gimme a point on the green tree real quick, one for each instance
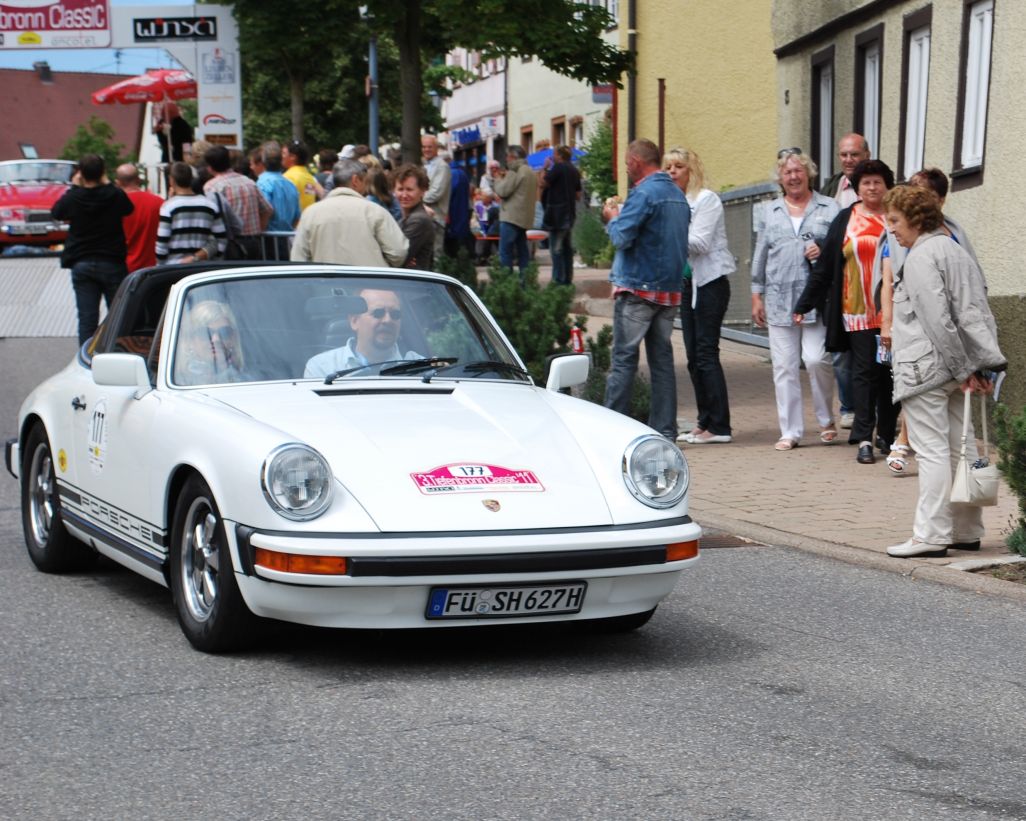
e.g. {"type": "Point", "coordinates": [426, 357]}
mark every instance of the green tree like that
{"type": "Point", "coordinates": [598, 163]}
{"type": "Point", "coordinates": [564, 35]}
{"type": "Point", "coordinates": [95, 137]}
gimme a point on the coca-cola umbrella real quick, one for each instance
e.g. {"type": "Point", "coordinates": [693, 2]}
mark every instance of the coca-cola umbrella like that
{"type": "Point", "coordinates": [155, 86]}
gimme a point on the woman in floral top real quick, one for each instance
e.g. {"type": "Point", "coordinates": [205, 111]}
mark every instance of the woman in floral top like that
{"type": "Point", "coordinates": [844, 283]}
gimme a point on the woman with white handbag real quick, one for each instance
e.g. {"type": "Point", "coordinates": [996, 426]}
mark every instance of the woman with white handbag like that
{"type": "Point", "coordinates": [944, 343]}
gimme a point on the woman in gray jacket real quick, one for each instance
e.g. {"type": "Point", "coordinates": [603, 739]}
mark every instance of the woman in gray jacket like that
{"type": "Point", "coordinates": [944, 342]}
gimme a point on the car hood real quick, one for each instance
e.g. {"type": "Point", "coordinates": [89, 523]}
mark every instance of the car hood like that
{"type": "Point", "coordinates": [31, 195]}
{"type": "Point", "coordinates": [444, 456]}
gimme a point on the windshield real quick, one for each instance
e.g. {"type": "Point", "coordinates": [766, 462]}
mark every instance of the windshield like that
{"type": "Point", "coordinates": [334, 328]}
{"type": "Point", "coordinates": [36, 171]}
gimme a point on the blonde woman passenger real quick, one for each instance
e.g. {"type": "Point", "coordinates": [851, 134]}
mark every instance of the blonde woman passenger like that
{"type": "Point", "coordinates": [704, 297]}
{"type": "Point", "coordinates": [791, 239]}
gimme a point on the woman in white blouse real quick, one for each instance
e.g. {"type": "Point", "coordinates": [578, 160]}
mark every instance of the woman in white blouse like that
{"type": "Point", "coordinates": [704, 299]}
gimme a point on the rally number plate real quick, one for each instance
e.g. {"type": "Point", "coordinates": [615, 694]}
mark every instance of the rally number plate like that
{"type": "Point", "coordinates": [504, 602]}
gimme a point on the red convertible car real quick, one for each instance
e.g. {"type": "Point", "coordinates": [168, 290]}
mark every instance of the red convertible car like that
{"type": "Point", "coordinates": [28, 189]}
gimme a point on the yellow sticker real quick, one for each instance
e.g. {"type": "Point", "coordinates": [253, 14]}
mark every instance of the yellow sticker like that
{"type": "Point", "coordinates": [29, 38]}
{"type": "Point", "coordinates": [62, 460]}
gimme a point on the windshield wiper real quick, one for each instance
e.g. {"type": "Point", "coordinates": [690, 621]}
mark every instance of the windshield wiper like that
{"type": "Point", "coordinates": [331, 377]}
{"type": "Point", "coordinates": [484, 366]}
{"type": "Point", "coordinates": [415, 365]}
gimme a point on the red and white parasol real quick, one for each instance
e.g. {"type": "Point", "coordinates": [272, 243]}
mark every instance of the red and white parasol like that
{"type": "Point", "coordinates": [154, 86]}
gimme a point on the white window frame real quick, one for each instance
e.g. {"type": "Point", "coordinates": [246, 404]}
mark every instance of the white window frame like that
{"type": "Point", "coordinates": [871, 94]}
{"type": "Point", "coordinates": [918, 87]}
{"type": "Point", "coordinates": [825, 130]}
{"type": "Point", "coordinates": [977, 83]}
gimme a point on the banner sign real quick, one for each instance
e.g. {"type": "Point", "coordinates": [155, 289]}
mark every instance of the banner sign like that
{"type": "Point", "coordinates": [61, 24]}
{"type": "Point", "coordinates": [162, 29]}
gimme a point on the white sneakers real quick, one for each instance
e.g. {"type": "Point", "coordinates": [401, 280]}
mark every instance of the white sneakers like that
{"type": "Point", "coordinates": [847, 420]}
{"type": "Point", "coordinates": [913, 547]}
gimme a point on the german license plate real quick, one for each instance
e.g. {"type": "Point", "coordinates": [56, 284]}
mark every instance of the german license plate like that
{"type": "Point", "coordinates": [482, 602]}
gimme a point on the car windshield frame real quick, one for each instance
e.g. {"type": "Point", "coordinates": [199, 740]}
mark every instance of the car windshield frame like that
{"type": "Point", "coordinates": [60, 172]}
{"type": "Point", "coordinates": [323, 325]}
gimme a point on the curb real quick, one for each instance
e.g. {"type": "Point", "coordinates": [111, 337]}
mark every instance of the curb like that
{"type": "Point", "coordinates": [910, 568]}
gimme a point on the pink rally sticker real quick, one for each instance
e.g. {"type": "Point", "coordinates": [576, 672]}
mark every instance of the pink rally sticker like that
{"type": "Point", "coordinates": [468, 478]}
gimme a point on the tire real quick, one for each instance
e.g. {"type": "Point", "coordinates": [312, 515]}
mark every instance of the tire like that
{"type": "Point", "coordinates": [211, 610]}
{"type": "Point", "coordinates": [620, 624]}
{"type": "Point", "coordinates": [50, 546]}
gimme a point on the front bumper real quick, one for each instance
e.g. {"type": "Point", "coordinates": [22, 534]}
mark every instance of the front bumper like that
{"type": "Point", "coordinates": [391, 576]}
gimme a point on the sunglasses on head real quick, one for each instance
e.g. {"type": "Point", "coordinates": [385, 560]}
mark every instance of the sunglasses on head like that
{"type": "Point", "coordinates": [394, 313]}
{"type": "Point", "coordinates": [786, 152]}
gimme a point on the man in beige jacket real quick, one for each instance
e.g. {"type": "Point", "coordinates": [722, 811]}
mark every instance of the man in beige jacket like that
{"type": "Point", "coordinates": [346, 229]}
{"type": "Point", "coordinates": [517, 186]}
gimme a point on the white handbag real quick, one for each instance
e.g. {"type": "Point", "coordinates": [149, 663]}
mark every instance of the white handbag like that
{"type": "Point", "coordinates": [972, 485]}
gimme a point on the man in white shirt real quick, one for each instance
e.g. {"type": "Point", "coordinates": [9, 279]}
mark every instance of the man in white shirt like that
{"type": "Point", "coordinates": [376, 337]}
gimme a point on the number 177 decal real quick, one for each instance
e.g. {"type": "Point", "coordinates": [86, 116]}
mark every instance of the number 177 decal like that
{"type": "Point", "coordinates": [470, 478]}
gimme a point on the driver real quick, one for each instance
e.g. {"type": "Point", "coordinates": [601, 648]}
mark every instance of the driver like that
{"type": "Point", "coordinates": [209, 348]}
{"type": "Point", "coordinates": [376, 337]}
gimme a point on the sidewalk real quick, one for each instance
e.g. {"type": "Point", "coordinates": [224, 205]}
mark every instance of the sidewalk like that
{"type": "Point", "coordinates": [816, 497]}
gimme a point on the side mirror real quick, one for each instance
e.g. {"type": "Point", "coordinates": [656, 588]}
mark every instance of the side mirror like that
{"type": "Point", "coordinates": [122, 370]}
{"type": "Point", "coordinates": [568, 371]}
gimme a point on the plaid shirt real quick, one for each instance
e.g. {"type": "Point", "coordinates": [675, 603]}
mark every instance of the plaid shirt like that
{"type": "Point", "coordinates": [244, 198]}
{"type": "Point", "coordinates": [668, 299]}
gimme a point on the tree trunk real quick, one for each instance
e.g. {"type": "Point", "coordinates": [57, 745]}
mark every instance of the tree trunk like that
{"type": "Point", "coordinates": [411, 82]}
{"type": "Point", "coordinates": [296, 95]}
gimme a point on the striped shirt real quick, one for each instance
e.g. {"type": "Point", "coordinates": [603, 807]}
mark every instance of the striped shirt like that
{"type": "Point", "coordinates": [187, 224]}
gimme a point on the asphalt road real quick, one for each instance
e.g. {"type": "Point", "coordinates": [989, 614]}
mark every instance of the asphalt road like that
{"type": "Point", "coordinates": [771, 685]}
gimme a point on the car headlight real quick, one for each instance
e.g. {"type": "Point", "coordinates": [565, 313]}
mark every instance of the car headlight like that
{"type": "Point", "coordinates": [655, 471]}
{"type": "Point", "coordinates": [297, 482]}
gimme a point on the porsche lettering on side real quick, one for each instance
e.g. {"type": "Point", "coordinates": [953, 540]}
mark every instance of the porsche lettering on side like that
{"type": "Point", "coordinates": [343, 447]}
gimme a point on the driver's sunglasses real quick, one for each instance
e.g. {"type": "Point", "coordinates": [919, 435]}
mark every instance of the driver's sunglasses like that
{"type": "Point", "coordinates": [394, 313]}
{"type": "Point", "coordinates": [786, 152]}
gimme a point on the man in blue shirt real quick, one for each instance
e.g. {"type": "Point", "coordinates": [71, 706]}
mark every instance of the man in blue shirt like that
{"type": "Point", "coordinates": [280, 192]}
{"type": "Point", "coordinates": [650, 233]}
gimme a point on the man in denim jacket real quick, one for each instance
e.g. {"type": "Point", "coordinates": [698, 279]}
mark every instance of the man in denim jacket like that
{"type": "Point", "coordinates": [650, 234]}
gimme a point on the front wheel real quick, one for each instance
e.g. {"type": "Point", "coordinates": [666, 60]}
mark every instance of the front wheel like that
{"type": "Point", "coordinates": [210, 608]}
{"type": "Point", "coordinates": [50, 546]}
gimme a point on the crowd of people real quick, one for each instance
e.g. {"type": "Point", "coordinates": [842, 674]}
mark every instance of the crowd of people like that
{"type": "Point", "coordinates": [848, 280]}
{"type": "Point", "coordinates": [867, 283]}
{"type": "Point", "coordinates": [271, 203]}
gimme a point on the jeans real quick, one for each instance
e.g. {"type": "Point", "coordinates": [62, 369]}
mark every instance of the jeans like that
{"type": "Point", "coordinates": [562, 256]}
{"type": "Point", "coordinates": [513, 238]}
{"type": "Point", "coordinates": [873, 388]}
{"type": "Point", "coordinates": [91, 279]}
{"type": "Point", "coordinates": [701, 326]}
{"type": "Point", "coordinates": [842, 373]}
{"type": "Point", "coordinates": [634, 320]}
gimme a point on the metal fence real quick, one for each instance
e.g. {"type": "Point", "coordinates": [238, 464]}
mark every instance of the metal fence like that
{"type": "Point", "coordinates": [743, 214]}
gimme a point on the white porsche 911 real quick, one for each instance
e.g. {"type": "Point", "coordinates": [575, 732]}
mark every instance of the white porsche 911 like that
{"type": "Point", "coordinates": [346, 448]}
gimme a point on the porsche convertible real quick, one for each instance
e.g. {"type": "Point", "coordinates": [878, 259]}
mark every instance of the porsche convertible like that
{"type": "Point", "coordinates": [343, 447]}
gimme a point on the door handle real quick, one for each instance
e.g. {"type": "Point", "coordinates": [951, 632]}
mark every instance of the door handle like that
{"type": "Point", "coordinates": [78, 404]}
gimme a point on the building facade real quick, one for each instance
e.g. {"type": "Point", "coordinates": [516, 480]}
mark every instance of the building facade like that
{"type": "Point", "coordinates": [930, 84]}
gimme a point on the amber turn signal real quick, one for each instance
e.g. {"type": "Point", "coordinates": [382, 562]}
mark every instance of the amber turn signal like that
{"type": "Point", "coordinates": [678, 551]}
{"type": "Point", "coordinates": [299, 563]}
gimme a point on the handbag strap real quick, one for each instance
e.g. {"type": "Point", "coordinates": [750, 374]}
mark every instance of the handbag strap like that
{"type": "Point", "coordinates": [967, 423]}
